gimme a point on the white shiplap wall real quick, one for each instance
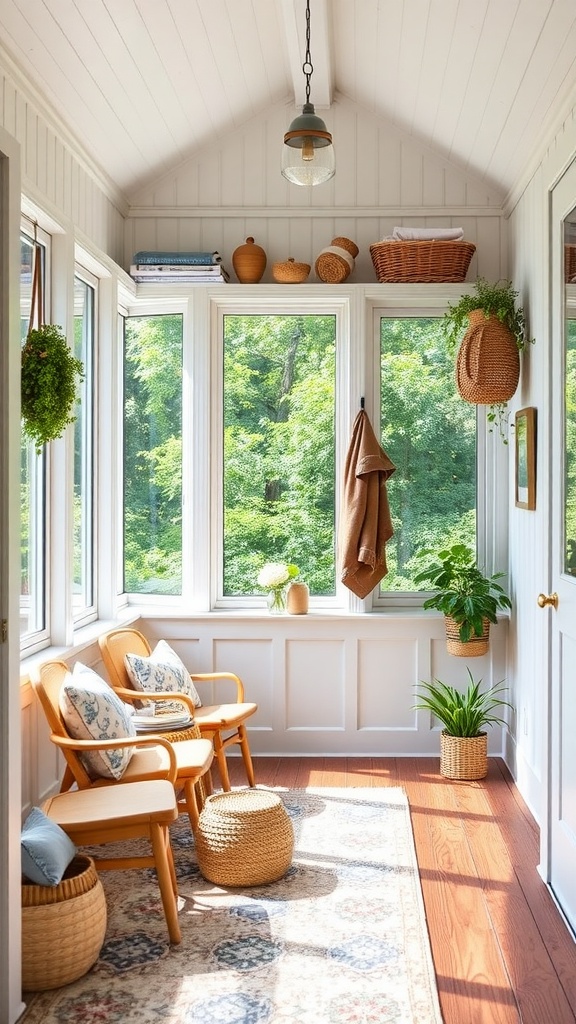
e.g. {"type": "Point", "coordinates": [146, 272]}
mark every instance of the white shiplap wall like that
{"type": "Point", "coordinates": [55, 174]}
{"type": "Point", "coordinates": [383, 178]}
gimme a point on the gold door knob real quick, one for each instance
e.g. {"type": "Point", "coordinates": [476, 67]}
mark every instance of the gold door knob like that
{"type": "Point", "coordinates": [544, 599]}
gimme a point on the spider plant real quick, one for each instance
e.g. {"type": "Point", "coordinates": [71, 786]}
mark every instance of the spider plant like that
{"type": "Point", "coordinates": [463, 714]}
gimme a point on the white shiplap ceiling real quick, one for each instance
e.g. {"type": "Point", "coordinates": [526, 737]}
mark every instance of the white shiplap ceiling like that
{"type": "Point", "coordinates": [144, 84]}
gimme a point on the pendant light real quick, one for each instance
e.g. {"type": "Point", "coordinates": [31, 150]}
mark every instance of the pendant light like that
{"type": "Point", "coordinates": [308, 153]}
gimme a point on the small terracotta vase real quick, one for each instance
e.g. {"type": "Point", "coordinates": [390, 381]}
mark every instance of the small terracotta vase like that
{"type": "Point", "coordinates": [249, 262]}
{"type": "Point", "coordinates": [298, 594]}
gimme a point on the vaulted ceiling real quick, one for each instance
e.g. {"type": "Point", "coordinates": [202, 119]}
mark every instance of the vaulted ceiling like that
{"type": "Point", "coordinates": [145, 84]}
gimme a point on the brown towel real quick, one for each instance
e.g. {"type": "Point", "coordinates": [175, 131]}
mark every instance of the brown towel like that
{"type": "Point", "coordinates": [366, 524]}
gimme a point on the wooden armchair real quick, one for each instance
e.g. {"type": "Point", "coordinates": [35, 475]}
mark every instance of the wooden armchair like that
{"type": "Point", "coordinates": [186, 764]}
{"type": "Point", "coordinates": [222, 723]}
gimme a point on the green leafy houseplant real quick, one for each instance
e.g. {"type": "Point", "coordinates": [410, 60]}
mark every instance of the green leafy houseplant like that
{"type": "Point", "coordinates": [497, 300]}
{"type": "Point", "coordinates": [463, 592]}
{"type": "Point", "coordinates": [50, 375]}
{"type": "Point", "coordinates": [463, 714]}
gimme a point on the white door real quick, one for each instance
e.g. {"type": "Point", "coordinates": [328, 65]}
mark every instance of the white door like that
{"type": "Point", "coordinates": [561, 602]}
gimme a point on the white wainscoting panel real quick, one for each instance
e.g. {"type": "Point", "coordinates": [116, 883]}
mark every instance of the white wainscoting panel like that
{"type": "Point", "coordinates": [386, 673]}
{"type": "Point", "coordinates": [315, 685]}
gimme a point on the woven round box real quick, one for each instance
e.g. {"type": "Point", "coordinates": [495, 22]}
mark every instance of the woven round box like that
{"type": "Point", "coordinates": [336, 262]}
{"type": "Point", "coordinates": [290, 272]}
{"type": "Point", "coordinates": [244, 837]}
{"type": "Point", "coordinates": [63, 927]}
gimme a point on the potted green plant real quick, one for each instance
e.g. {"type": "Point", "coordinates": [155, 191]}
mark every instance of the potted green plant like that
{"type": "Point", "coordinates": [50, 375]}
{"type": "Point", "coordinates": [464, 716]}
{"type": "Point", "coordinates": [468, 599]}
{"type": "Point", "coordinates": [490, 330]}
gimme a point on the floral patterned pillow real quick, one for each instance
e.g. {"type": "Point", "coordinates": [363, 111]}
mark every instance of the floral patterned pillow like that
{"type": "Point", "coordinates": [92, 711]}
{"type": "Point", "coordinates": [163, 671]}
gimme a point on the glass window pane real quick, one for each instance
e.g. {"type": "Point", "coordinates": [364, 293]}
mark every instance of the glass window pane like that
{"type": "Point", "coordinates": [32, 486]}
{"type": "Point", "coordinates": [279, 412]}
{"type": "Point", "coordinates": [82, 590]}
{"type": "Point", "coordinates": [153, 454]}
{"type": "Point", "coordinates": [429, 433]}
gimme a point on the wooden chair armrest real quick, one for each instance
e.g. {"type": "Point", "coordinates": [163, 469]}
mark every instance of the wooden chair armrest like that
{"type": "Point", "coordinates": [68, 743]}
{"type": "Point", "coordinates": [207, 677]}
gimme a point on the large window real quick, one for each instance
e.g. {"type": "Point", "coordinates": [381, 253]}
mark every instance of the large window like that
{"type": "Point", "coordinates": [33, 527]}
{"type": "Point", "coordinates": [153, 454]}
{"type": "Point", "coordinates": [279, 448]}
{"type": "Point", "coordinates": [429, 433]}
{"type": "Point", "coordinates": [84, 478]}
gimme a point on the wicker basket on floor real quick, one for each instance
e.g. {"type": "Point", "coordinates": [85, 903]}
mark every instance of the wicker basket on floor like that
{"type": "Point", "coordinates": [421, 261]}
{"type": "Point", "coordinates": [244, 837]}
{"type": "Point", "coordinates": [463, 757]}
{"type": "Point", "coordinates": [63, 927]}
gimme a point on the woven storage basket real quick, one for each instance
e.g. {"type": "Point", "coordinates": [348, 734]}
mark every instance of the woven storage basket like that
{"type": "Point", "coordinates": [335, 263]}
{"type": "Point", "coordinates": [473, 648]}
{"type": "Point", "coordinates": [423, 262]}
{"type": "Point", "coordinates": [463, 757]}
{"type": "Point", "coordinates": [488, 361]}
{"type": "Point", "coordinates": [63, 927]}
{"type": "Point", "coordinates": [290, 272]}
{"type": "Point", "coordinates": [244, 837]}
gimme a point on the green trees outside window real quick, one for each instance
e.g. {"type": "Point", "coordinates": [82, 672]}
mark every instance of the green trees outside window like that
{"type": "Point", "coordinates": [430, 435]}
{"type": "Point", "coordinates": [279, 443]}
{"type": "Point", "coordinates": [153, 454]}
{"type": "Point", "coordinates": [279, 482]}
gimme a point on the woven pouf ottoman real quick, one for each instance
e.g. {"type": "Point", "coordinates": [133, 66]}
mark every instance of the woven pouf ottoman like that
{"type": "Point", "coordinates": [244, 837]}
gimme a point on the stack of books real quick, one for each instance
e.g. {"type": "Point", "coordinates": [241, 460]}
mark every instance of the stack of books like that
{"type": "Point", "coordinates": [182, 267]}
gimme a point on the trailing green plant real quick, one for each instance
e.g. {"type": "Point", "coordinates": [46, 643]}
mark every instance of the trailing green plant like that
{"type": "Point", "coordinates": [463, 714]}
{"type": "Point", "coordinates": [497, 300]}
{"type": "Point", "coordinates": [463, 592]}
{"type": "Point", "coordinates": [50, 376]}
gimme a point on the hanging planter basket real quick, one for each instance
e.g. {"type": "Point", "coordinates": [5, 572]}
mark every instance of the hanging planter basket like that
{"type": "Point", "coordinates": [475, 647]}
{"type": "Point", "coordinates": [488, 361]}
{"type": "Point", "coordinates": [50, 373]}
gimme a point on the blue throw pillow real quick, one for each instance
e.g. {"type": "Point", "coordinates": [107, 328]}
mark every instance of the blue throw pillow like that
{"type": "Point", "coordinates": [46, 849]}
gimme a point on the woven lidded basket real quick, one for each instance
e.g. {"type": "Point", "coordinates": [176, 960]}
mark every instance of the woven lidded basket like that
{"type": "Point", "coordinates": [472, 648]}
{"type": "Point", "coordinates": [63, 927]}
{"type": "Point", "coordinates": [244, 837]}
{"type": "Point", "coordinates": [463, 757]}
{"type": "Point", "coordinates": [336, 262]}
{"type": "Point", "coordinates": [290, 272]}
{"type": "Point", "coordinates": [427, 262]}
{"type": "Point", "coordinates": [488, 361]}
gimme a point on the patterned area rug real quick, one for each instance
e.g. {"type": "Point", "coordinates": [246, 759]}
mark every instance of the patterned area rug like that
{"type": "Point", "coordinates": [341, 939]}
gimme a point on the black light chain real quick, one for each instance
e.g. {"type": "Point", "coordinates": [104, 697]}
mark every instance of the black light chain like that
{"type": "Point", "coordinates": [307, 66]}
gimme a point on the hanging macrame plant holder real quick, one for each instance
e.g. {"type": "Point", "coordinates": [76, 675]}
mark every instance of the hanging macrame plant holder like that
{"type": "Point", "coordinates": [488, 361]}
{"type": "Point", "coordinates": [49, 371]}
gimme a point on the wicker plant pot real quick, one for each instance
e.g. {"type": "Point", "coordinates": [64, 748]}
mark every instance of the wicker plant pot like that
{"type": "Point", "coordinates": [244, 837]}
{"type": "Point", "coordinates": [473, 648]}
{"type": "Point", "coordinates": [488, 361]}
{"type": "Point", "coordinates": [463, 757]}
{"type": "Point", "coordinates": [63, 927]}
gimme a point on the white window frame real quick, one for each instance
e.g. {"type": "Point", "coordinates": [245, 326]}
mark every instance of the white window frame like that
{"type": "Point", "coordinates": [88, 613]}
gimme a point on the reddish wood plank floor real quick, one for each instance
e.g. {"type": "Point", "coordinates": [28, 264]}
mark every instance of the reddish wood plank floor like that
{"type": "Point", "coordinates": [502, 952]}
